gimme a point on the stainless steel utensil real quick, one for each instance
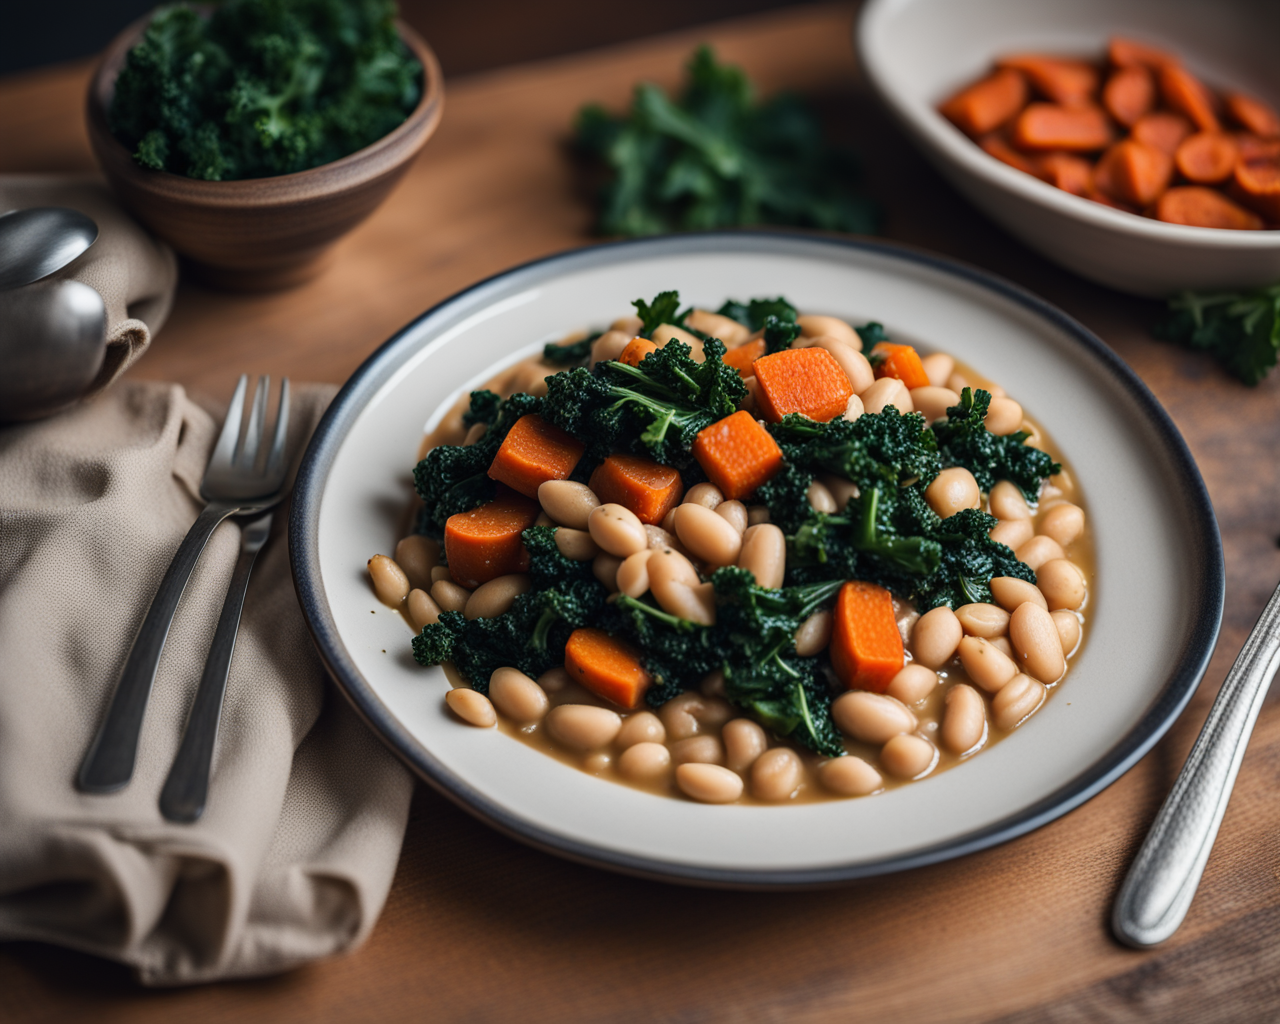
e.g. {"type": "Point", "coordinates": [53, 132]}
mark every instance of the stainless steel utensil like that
{"type": "Point", "coordinates": [1158, 890]}
{"type": "Point", "coordinates": [52, 343]}
{"type": "Point", "coordinates": [233, 485]}
{"type": "Point", "coordinates": [187, 787]}
{"type": "Point", "coordinates": [40, 241]}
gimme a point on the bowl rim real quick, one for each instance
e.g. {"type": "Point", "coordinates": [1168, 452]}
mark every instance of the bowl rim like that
{"type": "Point", "coordinates": [340, 174]}
{"type": "Point", "coordinates": [941, 135]}
{"type": "Point", "coordinates": [1204, 552]}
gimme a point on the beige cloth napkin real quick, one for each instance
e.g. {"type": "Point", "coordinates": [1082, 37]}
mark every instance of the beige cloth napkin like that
{"type": "Point", "coordinates": [306, 813]}
{"type": "Point", "coordinates": [134, 273]}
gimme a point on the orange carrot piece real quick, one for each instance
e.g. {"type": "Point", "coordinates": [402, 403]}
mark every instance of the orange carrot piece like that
{"type": "Point", "coordinates": [866, 647]}
{"type": "Point", "coordinates": [636, 350]}
{"type": "Point", "coordinates": [1252, 114]}
{"type": "Point", "coordinates": [902, 362]}
{"type": "Point", "coordinates": [996, 146]}
{"type": "Point", "coordinates": [804, 380]}
{"type": "Point", "coordinates": [1129, 93]}
{"type": "Point", "coordinates": [742, 357]}
{"type": "Point", "coordinates": [1202, 207]}
{"type": "Point", "coordinates": [484, 543]}
{"type": "Point", "coordinates": [1187, 95]}
{"type": "Point", "coordinates": [1257, 179]}
{"type": "Point", "coordinates": [1134, 173]}
{"type": "Point", "coordinates": [1066, 171]}
{"type": "Point", "coordinates": [1127, 53]}
{"type": "Point", "coordinates": [737, 454]}
{"type": "Point", "coordinates": [648, 489]}
{"type": "Point", "coordinates": [1162, 129]}
{"type": "Point", "coordinates": [1206, 157]}
{"type": "Point", "coordinates": [987, 104]}
{"type": "Point", "coordinates": [1048, 126]}
{"type": "Point", "coordinates": [1060, 80]}
{"type": "Point", "coordinates": [608, 667]}
{"type": "Point", "coordinates": [533, 452]}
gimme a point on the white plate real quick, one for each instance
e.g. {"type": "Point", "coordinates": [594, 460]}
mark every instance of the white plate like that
{"type": "Point", "coordinates": [1155, 606]}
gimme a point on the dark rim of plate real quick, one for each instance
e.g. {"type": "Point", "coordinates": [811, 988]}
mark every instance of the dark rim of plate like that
{"type": "Point", "coordinates": [1204, 553]}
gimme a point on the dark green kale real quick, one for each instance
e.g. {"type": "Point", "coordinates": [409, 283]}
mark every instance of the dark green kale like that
{"type": "Point", "coordinates": [871, 333]}
{"type": "Point", "coordinates": [716, 158]}
{"type": "Point", "coordinates": [964, 440]}
{"type": "Point", "coordinates": [664, 309]}
{"type": "Point", "coordinates": [779, 334]}
{"type": "Point", "coordinates": [483, 409]}
{"type": "Point", "coordinates": [455, 478]}
{"type": "Point", "coordinates": [676, 652]}
{"type": "Point", "coordinates": [654, 409]}
{"type": "Point", "coordinates": [574, 354]}
{"type": "Point", "coordinates": [532, 634]}
{"type": "Point", "coordinates": [1239, 329]}
{"type": "Point", "coordinates": [263, 87]}
{"type": "Point", "coordinates": [754, 313]}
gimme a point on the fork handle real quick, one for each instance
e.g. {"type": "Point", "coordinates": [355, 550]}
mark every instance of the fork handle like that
{"type": "Point", "coordinates": [187, 787]}
{"type": "Point", "coordinates": [109, 764]}
{"type": "Point", "coordinates": [1158, 890]}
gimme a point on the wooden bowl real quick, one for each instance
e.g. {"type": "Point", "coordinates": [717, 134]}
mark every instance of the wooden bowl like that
{"type": "Point", "coordinates": [259, 234]}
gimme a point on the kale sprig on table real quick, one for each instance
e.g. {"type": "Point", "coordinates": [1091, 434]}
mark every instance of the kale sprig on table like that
{"type": "Point", "coordinates": [714, 158]}
{"type": "Point", "coordinates": [1239, 329]}
{"type": "Point", "coordinates": [263, 87]}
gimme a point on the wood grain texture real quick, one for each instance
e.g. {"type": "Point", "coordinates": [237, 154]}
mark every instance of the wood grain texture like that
{"type": "Point", "coordinates": [480, 928]}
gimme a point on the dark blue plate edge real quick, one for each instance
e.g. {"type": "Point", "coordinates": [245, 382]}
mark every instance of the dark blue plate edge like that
{"type": "Point", "coordinates": [1206, 557]}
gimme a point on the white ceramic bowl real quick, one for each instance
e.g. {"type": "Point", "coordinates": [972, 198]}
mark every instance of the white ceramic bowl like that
{"type": "Point", "coordinates": [1154, 607]}
{"type": "Point", "coordinates": [917, 52]}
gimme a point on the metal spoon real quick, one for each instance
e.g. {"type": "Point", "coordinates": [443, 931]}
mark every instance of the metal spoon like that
{"type": "Point", "coordinates": [52, 343]}
{"type": "Point", "coordinates": [37, 242]}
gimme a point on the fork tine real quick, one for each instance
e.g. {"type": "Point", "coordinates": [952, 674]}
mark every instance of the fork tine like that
{"type": "Point", "coordinates": [225, 449]}
{"type": "Point", "coordinates": [247, 453]}
{"type": "Point", "coordinates": [275, 459]}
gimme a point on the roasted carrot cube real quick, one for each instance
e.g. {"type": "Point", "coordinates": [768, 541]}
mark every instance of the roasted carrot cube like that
{"type": "Point", "coordinates": [1066, 171]}
{"type": "Point", "coordinates": [647, 488]}
{"type": "Point", "coordinates": [533, 452]}
{"type": "Point", "coordinates": [485, 543]}
{"type": "Point", "coordinates": [743, 357]}
{"type": "Point", "coordinates": [1162, 129]}
{"type": "Point", "coordinates": [1201, 207]}
{"type": "Point", "coordinates": [1257, 178]}
{"type": "Point", "coordinates": [1129, 94]}
{"type": "Point", "coordinates": [1061, 80]}
{"type": "Point", "coordinates": [608, 667]}
{"type": "Point", "coordinates": [866, 647]}
{"type": "Point", "coordinates": [1252, 114]}
{"type": "Point", "coordinates": [1187, 95]}
{"type": "Point", "coordinates": [988, 104]}
{"type": "Point", "coordinates": [1048, 126]}
{"type": "Point", "coordinates": [902, 362]}
{"type": "Point", "coordinates": [737, 454]}
{"type": "Point", "coordinates": [636, 350]}
{"type": "Point", "coordinates": [997, 146]}
{"type": "Point", "coordinates": [1134, 173]}
{"type": "Point", "coordinates": [804, 380]}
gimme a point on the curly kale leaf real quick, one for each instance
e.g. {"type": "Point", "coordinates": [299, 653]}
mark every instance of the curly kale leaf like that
{"type": "Point", "coordinates": [484, 409]}
{"type": "Point", "coordinates": [664, 309]}
{"type": "Point", "coordinates": [779, 334]}
{"type": "Point", "coordinates": [574, 354]}
{"type": "Point", "coordinates": [455, 478]}
{"type": "Point", "coordinates": [887, 448]}
{"type": "Point", "coordinates": [1239, 329]}
{"type": "Point", "coordinates": [676, 652]}
{"type": "Point", "coordinates": [654, 409]}
{"type": "Point", "coordinates": [964, 440]}
{"type": "Point", "coordinates": [532, 634]}
{"type": "Point", "coordinates": [754, 313]}
{"type": "Point", "coordinates": [263, 87]}
{"type": "Point", "coordinates": [872, 334]}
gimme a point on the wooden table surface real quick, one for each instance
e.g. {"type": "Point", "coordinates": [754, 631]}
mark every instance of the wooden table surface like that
{"type": "Point", "coordinates": [478, 927]}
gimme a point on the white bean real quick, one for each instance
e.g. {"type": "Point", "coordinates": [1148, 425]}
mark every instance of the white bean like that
{"type": "Point", "coordinates": [605, 569]}
{"type": "Point", "coordinates": [729, 331]}
{"type": "Point", "coordinates": [908, 756]}
{"type": "Point", "coordinates": [1036, 643]}
{"type": "Point", "coordinates": [912, 684]}
{"type": "Point", "coordinates": [698, 750]}
{"type": "Point", "coordinates": [871, 717]}
{"type": "Point", "coordinates": [1012, 533]}
{"type": "Point", "coordinates": [854, 364]}
{"type": "Point", "coordinates": [964, 722]}
{"type": "Point", "coordinates": [844, 491]}
{"type": "Point", "coordinates": [1068, 629]}
{"type": "Point", "coordinates": [617, 530]}
{"type": "Point", "coordinates": [764, 554]}
{"type": "Point", "coordinates": [473, 708]}
{"type": "Point", "coordinates": [853, 408]}
{"type": "Point", "coordinates": [814, 634]}
{"type": "Point", "coordinates": [744, 741]}
{"type": "Point", "coordinates": [1062, 584]}
{"type": "Point", "coordinates": [986, 664]}
{"type": "Point", "coordinates": [933, 401]}
{"type": "Point", "coordinates": [849, 776]}
{"type": "Point", "coordinates": [695, 604]}
{"type": "Point", "coordinates": [644, 762]}
{"type": "Point", "coordinates": [422, 610]}
{"type": "Point", "coordinates": [554, 680]}
{"type": "Point", "coordinates": [668, 565]}
{"type": "Point", "coordinates": [1004, 416]}
{"type": "Point", "coordinates": [417, 556]}
{"type": "Point", "coordinates": [704, 494]}
{"type": "Point", "coordinates": [1039, 550]}
{"type": "Point", "coordinates": [757, 515]}
{"type": "Point", "coordinates": [820, 499]}
{"type": "Point", "coordinates": [389, 581]}
{"type": "Point", "coordinates": [1006, 501]}
{"type": "Point", "coordinates": [641, 727]}
{"type": "Point", "coordinates": [1009, 592]}
{"type": "Point", "coordinates": [952, 490]}
{"type": "Point", "coordinates": [1064, 523]}
{"type": "Point", "coordinates": [489, 600]}
{"type": "Point", "coordinates": [610, 345]}
{"type": "Point", "coordinates": [984, 620]}
{"type": "Point", "coordinates": [776, 774]}
{"type": "Point", "coordinates": [707, 536]}
{"type": "Point", "coordinates": [438, 573]}
{"type": "Point", "coordinates": [938, 367]}
{"type": "Point", "coordinates": [633, 573]}
{"type": "Point", "coordinates": [517, 696]}
{"type": "Point", "coordinates": [583, 726]}
{"type": "Point", "coordinates": [813, 325]}
{"type": "Point", "coordinates": [936, 636]}
{"type": "Point", "coordinates": [449, 596]}
{"type": "Point", "coordinates": [1017, 701]}
{"type": "Point", "coordinates": [734, 513]}
{"type": "Point", "coordinates": [679, 715]}
{"type": "Point", "coordinates": [885, 392]}
{"type": "Point", "coordinates": [709, 783]}
{"type": "Point", "coordinates": [576, 544]}
{"type": "Point", "coordinates": [568, 503]}
{"type": "Point", "coordinates": [664, 333]}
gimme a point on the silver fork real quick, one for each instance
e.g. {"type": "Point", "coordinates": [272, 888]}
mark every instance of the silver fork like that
{"type": "Point", "coordinates": [233, 484]}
